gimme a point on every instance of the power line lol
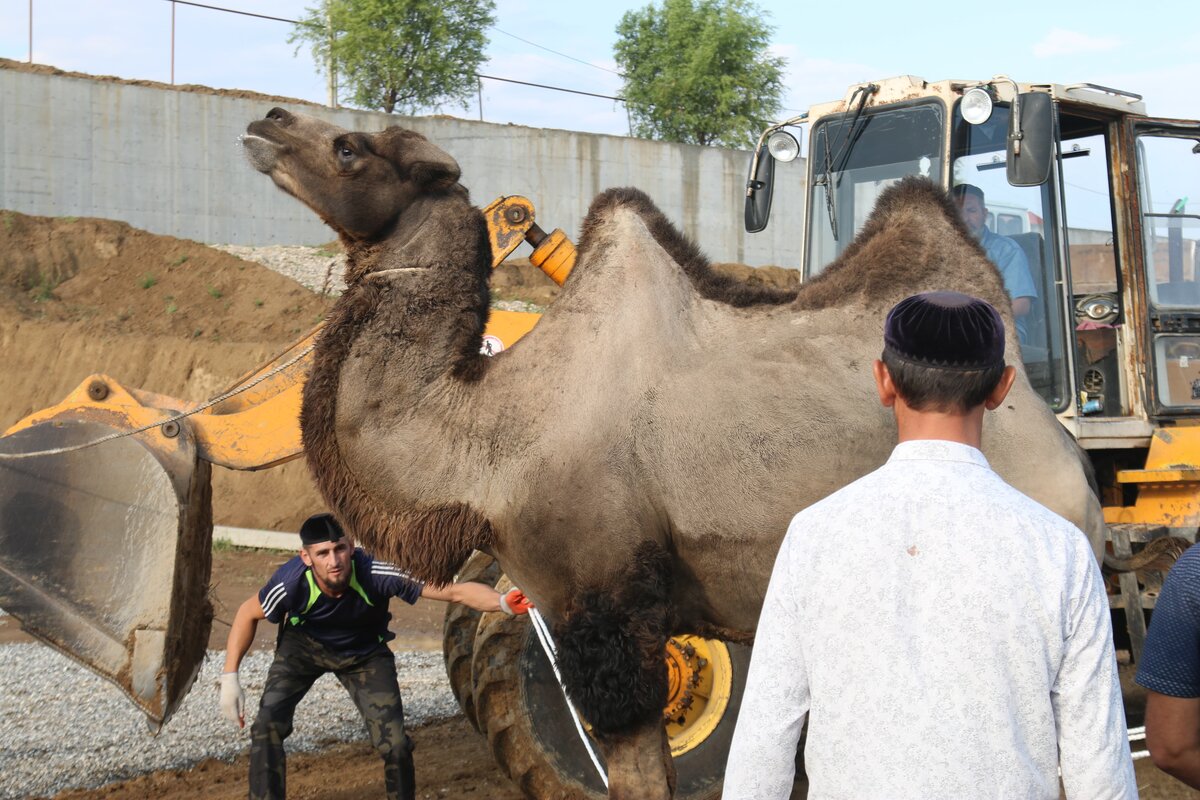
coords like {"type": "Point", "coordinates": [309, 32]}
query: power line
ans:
{"type": "Point", "coordinates": [243, 13]}
{"type": "Point", "coordinates": [564, 55]}
{"type": "Point", "coordinates": [554, 88]}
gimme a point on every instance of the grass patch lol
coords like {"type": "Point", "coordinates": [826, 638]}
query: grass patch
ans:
{"type": "Point", "coordinates": [226, 546]}
{"type": "Point", "coordinates": [214, 292]}
{"type": "Point", "coordinates": [69, 219]}
{"type": "Point", "coordinates": [258, 303]}
{"type": "Point", "coordinates": [147, 281]}
{"type": "Point", "coordinates": [181, 260]}
{"type": "Point", "coordinates": [172, 307]}
{"type": "Point", "coordinates": [9, 221]}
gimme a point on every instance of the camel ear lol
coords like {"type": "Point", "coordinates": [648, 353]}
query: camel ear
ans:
{"type": "Point", "coordinates": [416, 158]}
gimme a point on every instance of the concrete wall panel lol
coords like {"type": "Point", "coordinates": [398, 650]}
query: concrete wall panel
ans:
{"type": "Point", "coordinates": [169, 162]}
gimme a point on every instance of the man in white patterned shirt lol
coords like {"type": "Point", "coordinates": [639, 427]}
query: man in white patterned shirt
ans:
{"type": "Point", "coordinates": [965, 650]}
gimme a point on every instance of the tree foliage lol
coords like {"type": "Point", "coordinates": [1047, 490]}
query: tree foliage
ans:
{"type": "Point", "coordinates": [400, 55]}
{"type": "Point", "coordinates": [698, 71]}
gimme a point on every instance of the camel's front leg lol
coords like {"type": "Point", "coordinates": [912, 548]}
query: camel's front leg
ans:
{"type": "Point", "coordinates": [639, 764]}
{"type": "Point", "coordinates": [610, 649]}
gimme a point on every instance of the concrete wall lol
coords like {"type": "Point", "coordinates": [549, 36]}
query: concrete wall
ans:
{"type": "Point", "coordinates": [169, 161]}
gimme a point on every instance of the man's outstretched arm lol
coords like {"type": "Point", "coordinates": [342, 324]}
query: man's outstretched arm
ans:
{"type": "Point", "coordinates": [478, 596]}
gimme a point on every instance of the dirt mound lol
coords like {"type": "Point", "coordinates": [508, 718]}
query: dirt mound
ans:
{"type": "Point", "coordinates": [46, 69]}
{"type": "Point", "coordinates": [81, 296]}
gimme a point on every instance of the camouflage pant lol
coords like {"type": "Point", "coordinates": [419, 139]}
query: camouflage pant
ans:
{"type": "Point", "coordinates": [371, 682]}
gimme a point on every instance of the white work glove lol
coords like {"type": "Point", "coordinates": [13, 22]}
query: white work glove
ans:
{"type": "Point", "coordinates": [515, 602]}
{"type": "Point", "coordinates": [233, 699]}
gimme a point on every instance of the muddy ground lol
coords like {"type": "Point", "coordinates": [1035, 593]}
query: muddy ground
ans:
{"type": "Point", "coordinates": [79, 296]}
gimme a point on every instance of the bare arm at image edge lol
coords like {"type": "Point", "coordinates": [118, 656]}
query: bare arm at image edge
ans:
{"type": "Point", "coordinates": [762, 756]}
{"type": "Point", "coordinates": [1092, 738]}
{"type": "Point", "coordinates": [1173, 735]}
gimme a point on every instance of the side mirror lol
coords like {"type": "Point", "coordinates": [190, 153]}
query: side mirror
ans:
{"type": "Point", "coordinates": [759, 186]}
{"type": "Point", "coordinates": [1030, 139]}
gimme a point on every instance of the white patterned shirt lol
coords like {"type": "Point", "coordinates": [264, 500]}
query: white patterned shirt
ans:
{"type": "Point", "coordinates": [944, 635]}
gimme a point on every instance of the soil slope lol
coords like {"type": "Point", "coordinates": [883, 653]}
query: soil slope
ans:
{"type": "Point", "coordinates": [83, 296]}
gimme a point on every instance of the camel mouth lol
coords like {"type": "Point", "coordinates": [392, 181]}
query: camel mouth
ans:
{"type": "Point", "coordinates": [262, 153]}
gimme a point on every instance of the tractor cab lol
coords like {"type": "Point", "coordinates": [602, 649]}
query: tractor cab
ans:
{"type": "Point", "coordinates": [1085, 211]}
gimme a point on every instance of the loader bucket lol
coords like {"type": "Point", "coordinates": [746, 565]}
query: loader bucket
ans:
{"type": "Point", "coordinates": [105, 552]}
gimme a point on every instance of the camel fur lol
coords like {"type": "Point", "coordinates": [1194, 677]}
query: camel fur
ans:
{"type": "Point", "coordinates": [633, 462]}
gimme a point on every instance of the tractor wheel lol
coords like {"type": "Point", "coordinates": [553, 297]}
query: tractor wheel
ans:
{"type": "Point", "coordinates": [532, 736]}
{"type": "Point", "coordinates": [458, 634]}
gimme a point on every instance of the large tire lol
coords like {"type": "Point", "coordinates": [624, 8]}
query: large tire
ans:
{"type": "Point", "coordinates": [531, 734]}
{"type": "Point", "coordinates": [458, 635]}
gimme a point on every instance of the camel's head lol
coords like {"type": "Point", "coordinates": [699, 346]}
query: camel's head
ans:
{"type": "Point", "coordinates": [359, 183]}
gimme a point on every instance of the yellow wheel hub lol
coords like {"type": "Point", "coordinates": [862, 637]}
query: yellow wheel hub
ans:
{"type": "Point", "coordinates": [700, 677]}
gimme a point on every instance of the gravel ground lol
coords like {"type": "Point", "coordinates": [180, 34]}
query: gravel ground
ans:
{"type": "Point", "coordinates": [318, 269]}
{"type": "Point", "coordinates": [62, 727]}
{"type": "Point", "coordinates": [321, 270]}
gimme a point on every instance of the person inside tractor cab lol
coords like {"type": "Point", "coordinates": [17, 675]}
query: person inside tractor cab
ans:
{"type": "Point", "coordinates": [1003, 252]}
{"type": "Point", "coordinates": [967, 651]}
{"type": "Point", "coordinates": [331, 605]}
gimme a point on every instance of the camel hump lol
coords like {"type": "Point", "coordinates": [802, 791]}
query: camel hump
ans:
{"type": "Point", "coordinates": [913, 241]}
{"type": "Point", "coordinates": [706, 281]}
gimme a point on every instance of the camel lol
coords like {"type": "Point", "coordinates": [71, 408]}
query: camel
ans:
{"type": "Point", "coordinates": [633, 462]}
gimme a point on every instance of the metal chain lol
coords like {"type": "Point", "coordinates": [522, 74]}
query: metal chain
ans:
{"type": "Point", "coordinates": [182, 415]}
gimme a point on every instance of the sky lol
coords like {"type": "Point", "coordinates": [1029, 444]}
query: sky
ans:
{"type": "Point", "coordinates": [828, 46]}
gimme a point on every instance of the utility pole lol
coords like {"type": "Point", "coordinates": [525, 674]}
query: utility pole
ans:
{"type": "Point", "coordinates": [172, 42]}
{"type": "Point", "coordinates": [30, 31]}
{"type": "Point", "coordinates": [332, 65]}
{"type": "Point", "coordinates": [479, 86]}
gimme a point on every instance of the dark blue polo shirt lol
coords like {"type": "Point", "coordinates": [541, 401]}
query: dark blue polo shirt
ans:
{"type": "Point", "coordinates": [354, 623]}
{"type": "Point", "coordinates": [1171, 659]}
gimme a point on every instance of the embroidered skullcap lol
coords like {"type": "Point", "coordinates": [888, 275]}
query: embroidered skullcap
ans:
{"type": "Point", "coordinates": [320, 528]}
{"type": "Point", "coordinates": [946, 330]}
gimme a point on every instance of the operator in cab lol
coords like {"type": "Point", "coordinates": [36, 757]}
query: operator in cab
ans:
{"type": "Point", "coordinates": [331, 605]}
{"type": "Point", "coordinates": [1002, 251]}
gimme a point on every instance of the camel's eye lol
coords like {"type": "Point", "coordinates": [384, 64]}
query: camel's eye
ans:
{"type": "Point", "coordinates": [344, 152]}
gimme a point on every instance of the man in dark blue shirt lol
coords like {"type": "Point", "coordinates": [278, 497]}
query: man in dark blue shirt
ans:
{"type": "Point", "coordinates": [1170, 670]}
{"type": "Point", "coordinates": [331, 605]}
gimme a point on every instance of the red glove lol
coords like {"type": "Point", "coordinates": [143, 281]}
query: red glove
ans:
{"type": "Point", "coordinates": [515, 602]}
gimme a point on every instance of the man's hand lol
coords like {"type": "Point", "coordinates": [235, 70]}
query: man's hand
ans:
{"type": "Point", "coordinates": [233, 699]}
{"type": "Point", "coordinates": [515, 602]}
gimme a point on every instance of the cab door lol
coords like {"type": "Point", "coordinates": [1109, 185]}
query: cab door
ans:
{"type": "Point", "coordinates": [1167, 208]}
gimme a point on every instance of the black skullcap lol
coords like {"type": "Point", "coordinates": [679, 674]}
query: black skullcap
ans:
{"type": "Point", "coordinates": [320, 528]}
{"type": "Point", "coordinates": [947, 330]}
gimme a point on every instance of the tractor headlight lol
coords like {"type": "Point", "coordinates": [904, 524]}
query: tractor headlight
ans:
{"type": "Point", "coordinates": [783, 146]}
{"type": "Point", "coordinates": [976, 106]}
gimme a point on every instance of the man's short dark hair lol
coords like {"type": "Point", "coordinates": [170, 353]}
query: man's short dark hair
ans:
{"type": "Point", "coordinates": [964, 189]}
{"type": "Point", "coordinates": [928, 388]}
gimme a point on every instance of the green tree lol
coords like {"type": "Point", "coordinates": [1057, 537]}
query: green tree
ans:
{"type": "Point", "coordinates": [400, 55]}
{"type": "Point", "coordinates": [698, 71]}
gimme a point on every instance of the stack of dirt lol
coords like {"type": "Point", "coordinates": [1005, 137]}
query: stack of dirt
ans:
{"type": "Point", "coordinates": [83, 296]}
